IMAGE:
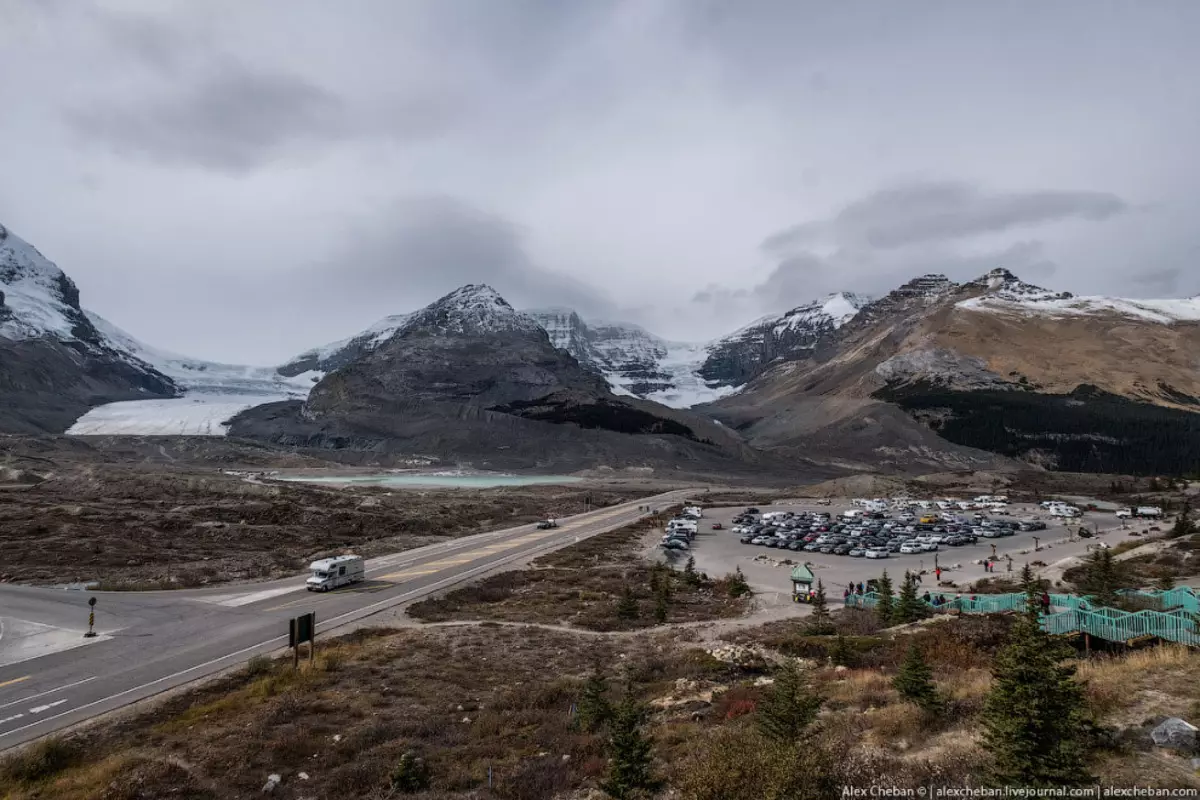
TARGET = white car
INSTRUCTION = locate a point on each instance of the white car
(874, 553)
(929, 547)
(910, 548)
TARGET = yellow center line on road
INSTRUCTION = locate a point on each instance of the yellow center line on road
(15, 680)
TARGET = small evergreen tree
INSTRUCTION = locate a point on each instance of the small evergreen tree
(885, 599)
(841, 654)
(1165, 582)
(736, 583)
(909, 608)
(629, 755)
(627, 607)
(1184, 526)
(656, 577)
(1035, 720)
(789, 706)
(593, 709)
(411, 774)
(1101, 578)
(689, 572)
(914, 681)
(820, 623)
(661, 600)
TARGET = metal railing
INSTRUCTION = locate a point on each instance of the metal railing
(1080, 615)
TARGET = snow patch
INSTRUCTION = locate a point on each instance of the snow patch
(1165, 311)
(207, 415)
(33, 287)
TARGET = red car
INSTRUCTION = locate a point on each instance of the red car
(718, 526)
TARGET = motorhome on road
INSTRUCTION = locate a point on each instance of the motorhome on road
(330, 573)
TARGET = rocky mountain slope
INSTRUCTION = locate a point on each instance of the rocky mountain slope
(470, 378)
(797, 335)
(934, 348)
(54, 362)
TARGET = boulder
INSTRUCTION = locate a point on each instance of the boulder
(1176, 734)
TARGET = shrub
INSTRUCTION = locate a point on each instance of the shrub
(41, 760)
(258, 666)
(411, 774)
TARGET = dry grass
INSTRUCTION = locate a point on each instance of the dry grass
(135, 527)
(463, 699)
(1144, 683)
(583, 586)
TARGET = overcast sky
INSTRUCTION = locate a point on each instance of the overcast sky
(243, 179)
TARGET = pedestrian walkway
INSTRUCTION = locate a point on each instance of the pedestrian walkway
(1177, 622)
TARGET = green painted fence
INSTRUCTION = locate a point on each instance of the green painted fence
(1080, 616)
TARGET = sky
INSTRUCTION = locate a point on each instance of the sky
(240, 180)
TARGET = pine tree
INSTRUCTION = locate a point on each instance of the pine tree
(689, 572)
(736, 583)
(1035, 720)
(629, 754)
(841, 654)
(593, 708)
(909, 608)
(1165, 582)
(885, 600)
(1101, 579)
(1184, 526)
(789, 706)
(914, 681)
(820, 623)
(411, 774)
(627, 607)
(661, 598)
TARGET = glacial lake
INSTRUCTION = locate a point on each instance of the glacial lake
(436, 480)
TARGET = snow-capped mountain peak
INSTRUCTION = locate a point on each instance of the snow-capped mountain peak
(834, 311)
(473, 309)
(37, 299)
(1002, 284)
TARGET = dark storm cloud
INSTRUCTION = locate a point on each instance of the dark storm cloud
(234, 120)
(933, 212)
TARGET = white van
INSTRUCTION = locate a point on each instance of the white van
(330, 573)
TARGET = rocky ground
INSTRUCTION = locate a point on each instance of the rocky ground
(475, 701)
(600, 584)
(143, 525)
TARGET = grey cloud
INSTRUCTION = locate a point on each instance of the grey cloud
(943, 211)
(233, 120)
(421, 248)
(1162, 281)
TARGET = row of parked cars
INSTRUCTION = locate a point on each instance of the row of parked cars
(868, 536)
(682, 529)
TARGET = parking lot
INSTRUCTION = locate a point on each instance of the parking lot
(959, 542)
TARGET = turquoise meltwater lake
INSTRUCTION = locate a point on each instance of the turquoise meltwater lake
(438, 480)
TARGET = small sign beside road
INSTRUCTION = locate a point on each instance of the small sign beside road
(303, 629)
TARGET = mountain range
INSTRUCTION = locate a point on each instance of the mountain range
(930, 375)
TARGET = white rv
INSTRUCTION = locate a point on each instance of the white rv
(330, 573)
(1064, 511)
(1149, 512)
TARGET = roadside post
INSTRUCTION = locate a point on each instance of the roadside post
(1037, 544)
(303, 629)
(91, 631)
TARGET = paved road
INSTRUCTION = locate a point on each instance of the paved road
(51, 677)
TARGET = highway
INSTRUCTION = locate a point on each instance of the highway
(52, 677)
